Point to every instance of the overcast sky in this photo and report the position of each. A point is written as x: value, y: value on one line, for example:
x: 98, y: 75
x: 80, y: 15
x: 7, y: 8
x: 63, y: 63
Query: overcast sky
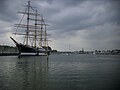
x: 88, y: 24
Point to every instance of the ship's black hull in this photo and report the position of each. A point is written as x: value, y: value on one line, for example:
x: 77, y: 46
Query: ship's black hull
x: 28, y: 50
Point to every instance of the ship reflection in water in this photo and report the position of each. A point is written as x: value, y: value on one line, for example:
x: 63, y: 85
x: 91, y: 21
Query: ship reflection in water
x: 33, y: 72
x: 25, y: 73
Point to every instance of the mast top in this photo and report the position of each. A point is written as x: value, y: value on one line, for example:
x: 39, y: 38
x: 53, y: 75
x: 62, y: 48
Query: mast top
x: 29, y: 3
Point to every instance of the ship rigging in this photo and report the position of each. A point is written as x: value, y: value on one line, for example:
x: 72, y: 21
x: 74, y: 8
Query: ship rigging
x: 35, y: 33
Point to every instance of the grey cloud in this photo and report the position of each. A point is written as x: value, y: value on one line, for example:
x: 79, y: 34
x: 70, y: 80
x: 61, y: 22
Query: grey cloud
x: 67, y: 17
x: 7, y: 10
x: 98, y: 13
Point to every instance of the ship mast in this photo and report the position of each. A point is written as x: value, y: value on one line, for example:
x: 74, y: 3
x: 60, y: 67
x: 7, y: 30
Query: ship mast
x: 27, y: 31
x: 41, y: 31
x: 45, y: 38
x: 37, y: 31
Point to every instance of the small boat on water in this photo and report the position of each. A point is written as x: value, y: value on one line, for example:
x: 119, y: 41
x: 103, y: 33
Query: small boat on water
x: 32, y: 28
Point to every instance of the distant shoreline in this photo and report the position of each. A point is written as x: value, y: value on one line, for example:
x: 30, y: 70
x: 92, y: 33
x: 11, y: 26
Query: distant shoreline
x: 15, y: 54
x: 13, y: 51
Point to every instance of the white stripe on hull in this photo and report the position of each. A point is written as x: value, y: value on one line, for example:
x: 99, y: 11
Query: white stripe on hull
x: 33, y: 54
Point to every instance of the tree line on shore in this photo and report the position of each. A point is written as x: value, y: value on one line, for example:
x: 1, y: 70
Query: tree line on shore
x: 8, y: 49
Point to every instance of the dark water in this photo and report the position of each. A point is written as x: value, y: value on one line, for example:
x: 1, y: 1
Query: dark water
x: 60, y: 72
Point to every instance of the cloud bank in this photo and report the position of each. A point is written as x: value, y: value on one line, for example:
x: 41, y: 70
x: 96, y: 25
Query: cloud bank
x: 88, y: 24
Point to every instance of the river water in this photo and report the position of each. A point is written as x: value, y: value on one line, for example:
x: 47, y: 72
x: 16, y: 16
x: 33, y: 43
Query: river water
x: 60, y: 72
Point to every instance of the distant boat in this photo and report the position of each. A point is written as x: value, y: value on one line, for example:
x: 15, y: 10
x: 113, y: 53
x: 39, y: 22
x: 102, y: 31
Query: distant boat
x: 94, y: 53
x: 33, y: 32
x: 68, y: 53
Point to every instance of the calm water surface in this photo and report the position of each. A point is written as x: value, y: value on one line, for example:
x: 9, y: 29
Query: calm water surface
x: 60, y: 72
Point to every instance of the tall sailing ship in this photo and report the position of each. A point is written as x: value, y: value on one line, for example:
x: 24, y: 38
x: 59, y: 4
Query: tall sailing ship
x: 33, y: 31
